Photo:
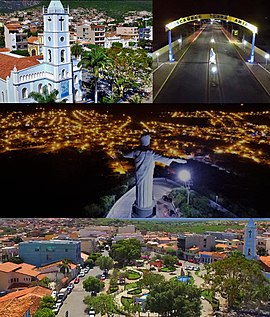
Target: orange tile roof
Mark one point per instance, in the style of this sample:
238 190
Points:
37 290
8 267
265 260
17 303
8 62
13 26
32 39
222 245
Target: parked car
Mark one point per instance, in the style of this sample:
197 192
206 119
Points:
77 280
93 293
81 274
56 308
92 312
102 277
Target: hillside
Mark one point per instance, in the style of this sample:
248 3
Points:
9 6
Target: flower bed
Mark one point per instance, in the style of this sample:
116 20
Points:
135 291
167 269
132 275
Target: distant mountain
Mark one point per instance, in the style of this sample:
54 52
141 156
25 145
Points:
13 5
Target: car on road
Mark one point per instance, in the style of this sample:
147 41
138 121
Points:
77 280
54 294
92 312
93 293
81 274
70 287
56 308
102 277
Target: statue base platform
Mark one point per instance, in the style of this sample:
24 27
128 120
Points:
138 212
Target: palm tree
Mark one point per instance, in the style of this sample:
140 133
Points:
65 266
76 50
95 60
44 96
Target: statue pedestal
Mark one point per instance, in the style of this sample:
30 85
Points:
138 212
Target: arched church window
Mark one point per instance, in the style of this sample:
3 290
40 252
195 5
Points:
63 73
40 88
24 93
49 38
50 55
49 88
76 79
249 251
3 96
49 19
62 56
62 38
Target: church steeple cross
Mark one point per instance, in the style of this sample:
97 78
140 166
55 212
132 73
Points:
61 21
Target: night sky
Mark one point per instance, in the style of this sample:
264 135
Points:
257 12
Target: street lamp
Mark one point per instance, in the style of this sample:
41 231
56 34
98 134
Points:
245 43
180 42
185 176
157 54
266 58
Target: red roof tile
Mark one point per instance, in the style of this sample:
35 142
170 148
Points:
8 62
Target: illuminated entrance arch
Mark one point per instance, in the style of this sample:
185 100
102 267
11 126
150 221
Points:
211 16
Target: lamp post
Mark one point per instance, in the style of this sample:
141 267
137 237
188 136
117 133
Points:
184 176
266 56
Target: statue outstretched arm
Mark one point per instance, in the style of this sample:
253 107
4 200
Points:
167 160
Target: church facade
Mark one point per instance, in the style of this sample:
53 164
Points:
21 75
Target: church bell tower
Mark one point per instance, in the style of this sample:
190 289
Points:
250 240
57 55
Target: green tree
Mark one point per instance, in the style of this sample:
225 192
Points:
126 250
94 256
104 262
236 279
44 312
65 266
103 304
173 298
117 44
76 50
47 302
150 279
169 260
96 61
93 284
44 96
15 259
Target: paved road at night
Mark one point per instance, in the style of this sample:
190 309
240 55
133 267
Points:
192 80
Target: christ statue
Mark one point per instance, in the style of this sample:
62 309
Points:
145 159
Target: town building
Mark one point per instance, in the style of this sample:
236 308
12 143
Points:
91 33
202 241
146 33
41 253
56 69
131 31
15 37
17 276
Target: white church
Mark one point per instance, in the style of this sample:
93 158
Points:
21 75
